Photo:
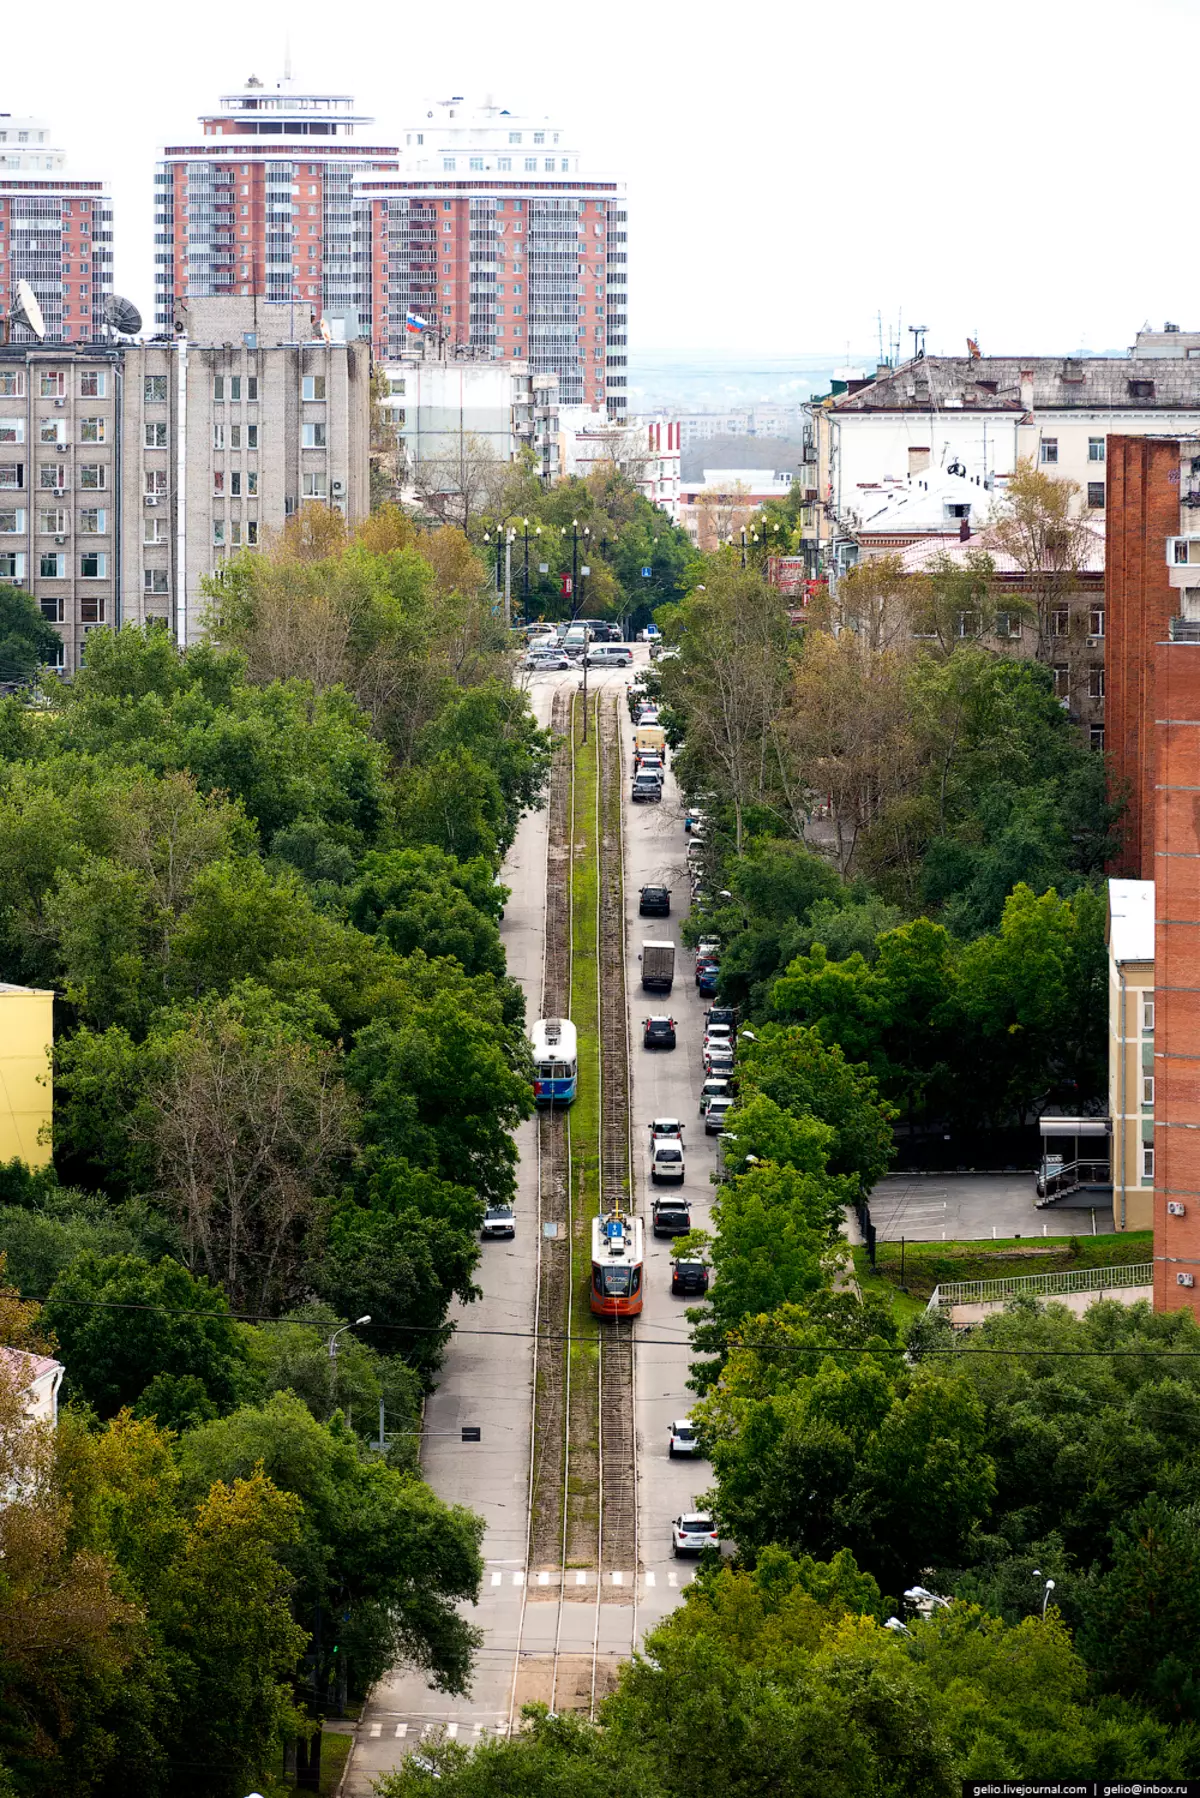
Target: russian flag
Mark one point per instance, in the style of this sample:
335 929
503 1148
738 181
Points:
414 322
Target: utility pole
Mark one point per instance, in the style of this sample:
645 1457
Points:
508 537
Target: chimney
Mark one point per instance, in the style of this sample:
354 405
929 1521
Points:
1027 390
918 458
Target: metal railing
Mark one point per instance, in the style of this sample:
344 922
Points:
1037 1286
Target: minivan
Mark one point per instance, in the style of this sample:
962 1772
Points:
609 655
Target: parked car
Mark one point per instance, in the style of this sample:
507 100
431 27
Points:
692 1532
693 819
709 947
714 1088
646 787
689 1278
654 902
666 1130
719 1060
499 1220
717 1034
547 659
671 1217
707 974
658 1033
609 655
681 1438
720 1014
666 1161
715 1113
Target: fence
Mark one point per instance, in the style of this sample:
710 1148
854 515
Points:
1041 1286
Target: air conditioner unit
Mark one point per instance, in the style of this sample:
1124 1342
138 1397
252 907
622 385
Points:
1175 1208
60 539
62 449
1185 1279
151 499
338 486
60 403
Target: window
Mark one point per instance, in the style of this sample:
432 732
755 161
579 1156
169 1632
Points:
1147 1014
476 163
313 387
565 165
52 521
1096 621
1095 495
1049 450
219 481
12 565
531 163
12 383
219 387
1060 622
250 479
549 164
1007 623
52 430
53 386
156 481
1147 1161
312 436
1095 683
235 387
252 387
514 137
156 436
447 227
156 580
252 532
967 624
52 567
93 565
12 475
448 164
219 533
252 437
1096 736
235 483
446 311
92 384
1141 390
1147 1089
504 164
52 610
154 528
235 436
313 486
52 477
12 523
1095 449
1062 680
218 437
12 430
154 389
93 475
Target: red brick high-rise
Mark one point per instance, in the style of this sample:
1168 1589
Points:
264 205
56 233
1153 737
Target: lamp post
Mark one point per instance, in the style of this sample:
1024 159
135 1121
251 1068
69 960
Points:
743 546
504 542
1049 1587
525 588
333 1354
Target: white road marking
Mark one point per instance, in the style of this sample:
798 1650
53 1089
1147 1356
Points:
452 1730
581 1579
518 1579
543 1579
651 1579
375 1730
672 1579
497 1579
401 1731
618 1579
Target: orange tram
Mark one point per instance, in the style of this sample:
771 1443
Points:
618 1250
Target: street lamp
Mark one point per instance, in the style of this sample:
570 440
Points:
897 1628
1049 1587
525 596
333 1352
920 1595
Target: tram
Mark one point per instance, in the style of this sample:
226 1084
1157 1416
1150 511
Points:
555 1061
617 1265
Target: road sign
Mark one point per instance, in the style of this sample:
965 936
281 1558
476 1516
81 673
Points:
471 1432
543 567
646 573
567 585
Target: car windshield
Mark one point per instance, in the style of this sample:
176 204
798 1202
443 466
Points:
496 1211
696 1526
684 1431
689 1267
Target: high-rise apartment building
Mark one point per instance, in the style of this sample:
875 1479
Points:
131 471
495 233
55 233
264 204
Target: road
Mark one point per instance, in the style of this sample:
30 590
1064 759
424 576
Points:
486 1378
961 1208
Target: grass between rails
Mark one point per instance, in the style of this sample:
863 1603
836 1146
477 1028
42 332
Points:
584 1498
930 1264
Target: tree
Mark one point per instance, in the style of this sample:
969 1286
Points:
121 1323
459 479
425 899
27 642
798 1071
1142 1617
1037 526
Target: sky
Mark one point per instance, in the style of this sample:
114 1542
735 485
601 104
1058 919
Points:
1012 172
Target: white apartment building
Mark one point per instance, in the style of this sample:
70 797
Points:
439 403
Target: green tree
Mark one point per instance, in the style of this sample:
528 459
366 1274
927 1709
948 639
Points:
797 1070
27 642
425 899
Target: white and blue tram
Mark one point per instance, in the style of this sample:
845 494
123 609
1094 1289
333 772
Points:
555 1061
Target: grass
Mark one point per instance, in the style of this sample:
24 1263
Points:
930 1264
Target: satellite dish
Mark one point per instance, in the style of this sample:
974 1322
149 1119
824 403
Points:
26 310
122 315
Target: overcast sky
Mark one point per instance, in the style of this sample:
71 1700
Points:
1015 172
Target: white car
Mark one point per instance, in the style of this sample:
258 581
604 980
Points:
666 1161
498 1220
714 1088
666 1130
692 1532
718 1061
718 1036
681 1438
715 1114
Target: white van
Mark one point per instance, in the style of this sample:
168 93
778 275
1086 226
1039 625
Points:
609 655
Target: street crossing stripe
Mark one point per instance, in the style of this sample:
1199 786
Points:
618 1579
497 1578
543 1579
376 1729
518 1579
650 1579
401 1731
452 1730
581 1579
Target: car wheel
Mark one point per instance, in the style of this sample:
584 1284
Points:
675 1550
671 1450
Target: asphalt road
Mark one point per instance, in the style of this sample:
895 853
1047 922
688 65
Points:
486 1374
962 1208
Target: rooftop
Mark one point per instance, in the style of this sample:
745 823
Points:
1019 383
1131 920
916 557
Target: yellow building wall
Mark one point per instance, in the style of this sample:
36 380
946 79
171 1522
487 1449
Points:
26 1090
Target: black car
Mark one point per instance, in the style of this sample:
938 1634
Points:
689 1277
671 1217
721 1014
646 787
654 902
658 1033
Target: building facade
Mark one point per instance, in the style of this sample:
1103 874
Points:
444 406
264 205
56 233
496 235
1131 1051
26 1047
131 472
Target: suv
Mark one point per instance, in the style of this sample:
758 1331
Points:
681 1438
666 1160
609 655
715 1113
646 786
498 1220
721 1014
689 1277
671 1217
693 1532
666 1129
654 902
658 1033
715 1087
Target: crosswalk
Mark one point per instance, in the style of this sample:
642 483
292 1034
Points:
621 1581
450 1732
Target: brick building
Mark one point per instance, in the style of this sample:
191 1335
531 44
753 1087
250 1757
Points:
55 233
265 205
1153 725
495 235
